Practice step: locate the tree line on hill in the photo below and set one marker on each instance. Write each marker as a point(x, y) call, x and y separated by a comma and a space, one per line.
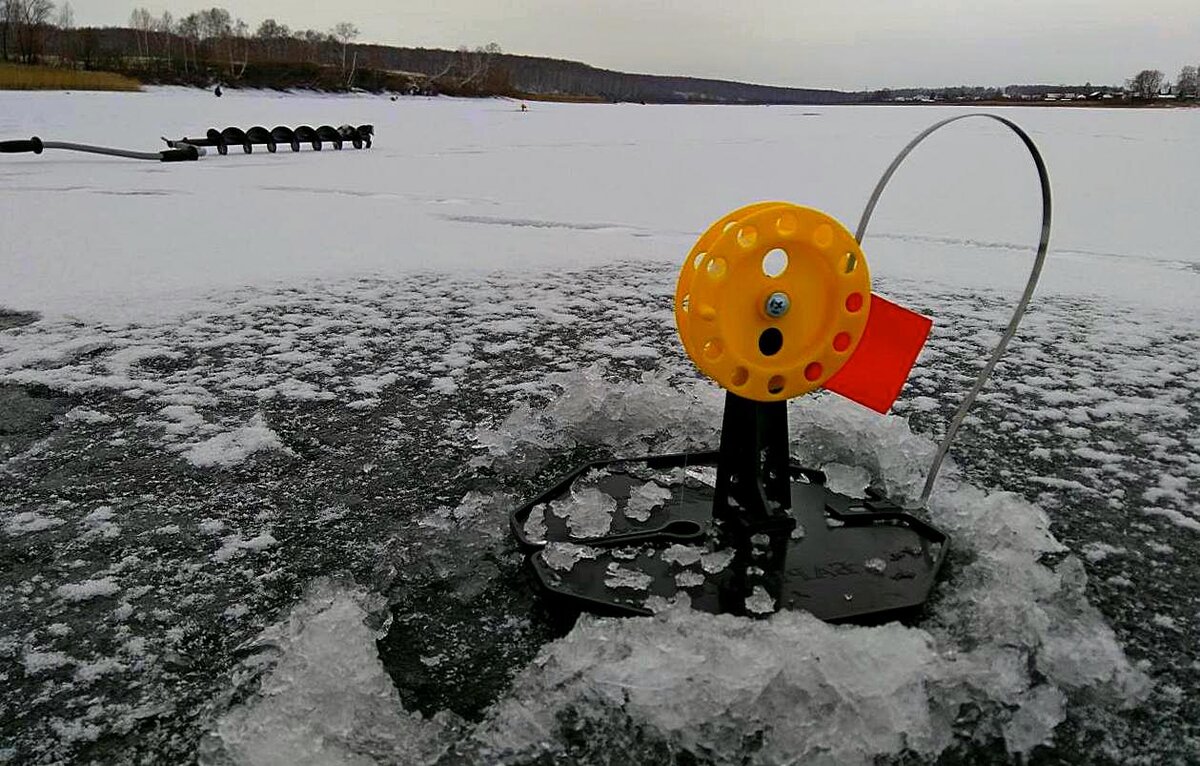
point(211, 46)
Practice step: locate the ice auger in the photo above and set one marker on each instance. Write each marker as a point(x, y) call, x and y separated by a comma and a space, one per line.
point(189, 149)
point(773, 301)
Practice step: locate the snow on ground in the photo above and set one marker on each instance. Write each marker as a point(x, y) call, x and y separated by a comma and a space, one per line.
point(258, 441)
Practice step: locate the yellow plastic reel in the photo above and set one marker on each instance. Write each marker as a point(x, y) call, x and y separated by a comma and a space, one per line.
point(773, 300)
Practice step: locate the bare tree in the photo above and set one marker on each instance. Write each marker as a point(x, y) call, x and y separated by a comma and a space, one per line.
point(141, 22)
point(189, 30)
point(215, 23)
point(238, 34)
point(271, 29)
point(8, 22)
point(165, 26)
point(1188, 84)
point(29, 22)
point(313, 41)
point(345, 33)
point(273, 37)
point(62, 43)
point(1146, 84)
point(473, 66)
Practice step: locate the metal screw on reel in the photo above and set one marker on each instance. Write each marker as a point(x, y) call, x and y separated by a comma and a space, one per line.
point(777, 304)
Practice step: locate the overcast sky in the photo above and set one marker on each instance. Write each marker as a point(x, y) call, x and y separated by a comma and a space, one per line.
point(847, 44)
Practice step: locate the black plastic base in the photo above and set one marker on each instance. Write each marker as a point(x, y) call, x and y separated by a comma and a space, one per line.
point(628, 537)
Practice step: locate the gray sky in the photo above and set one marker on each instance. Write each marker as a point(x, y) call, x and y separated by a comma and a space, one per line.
point(848, 44)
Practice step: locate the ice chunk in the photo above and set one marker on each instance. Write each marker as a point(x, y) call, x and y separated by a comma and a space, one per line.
point(619, 577)
point(39, 662)
point(689, 579)
point(211, 526)
point(562, 557)
point(99, 523)
point(27, 522)
point(326, 700)
point(875, 565)
point(89, 672)
point(233, 447)
point(829, 429)
point(588, 512)
point(535, 523)
point(705, 681)
point(683, 555)
point(1098, 551)
point(645, 499)
point(88, 589)
point(1040, 711)
point(658, 604)
point(716, 561)
point(848, 480)
point(760, 602)
point(628, 416)
point(233, 545)
point(260, 542)
point(84, 415)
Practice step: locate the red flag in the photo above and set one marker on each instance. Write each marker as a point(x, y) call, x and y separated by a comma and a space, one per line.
point(880, 365)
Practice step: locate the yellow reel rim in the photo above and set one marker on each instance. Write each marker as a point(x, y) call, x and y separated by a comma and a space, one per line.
point(729, 287)
point(687, 275)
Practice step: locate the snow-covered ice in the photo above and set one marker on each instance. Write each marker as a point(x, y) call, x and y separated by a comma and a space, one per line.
point(260, 434)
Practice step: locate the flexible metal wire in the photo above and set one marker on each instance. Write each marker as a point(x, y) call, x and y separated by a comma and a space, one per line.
point(155, 156)
point(1038, 261)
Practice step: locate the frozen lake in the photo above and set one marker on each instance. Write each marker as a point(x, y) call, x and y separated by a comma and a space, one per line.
point(261, 419)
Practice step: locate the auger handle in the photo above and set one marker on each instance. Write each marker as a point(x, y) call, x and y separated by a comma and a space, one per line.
point(181, 153)
point(17, 147)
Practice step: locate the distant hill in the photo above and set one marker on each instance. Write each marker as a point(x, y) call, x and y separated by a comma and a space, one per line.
point(324, 63)
point(539, 76)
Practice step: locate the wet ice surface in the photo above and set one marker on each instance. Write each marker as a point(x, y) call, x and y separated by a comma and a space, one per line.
point(139, 582)
point(271, 527)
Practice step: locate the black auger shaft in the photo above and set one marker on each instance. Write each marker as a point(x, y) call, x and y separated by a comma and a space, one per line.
point(359, 137)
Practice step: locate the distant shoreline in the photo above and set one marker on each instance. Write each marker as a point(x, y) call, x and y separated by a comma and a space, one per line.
point(585, 99)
